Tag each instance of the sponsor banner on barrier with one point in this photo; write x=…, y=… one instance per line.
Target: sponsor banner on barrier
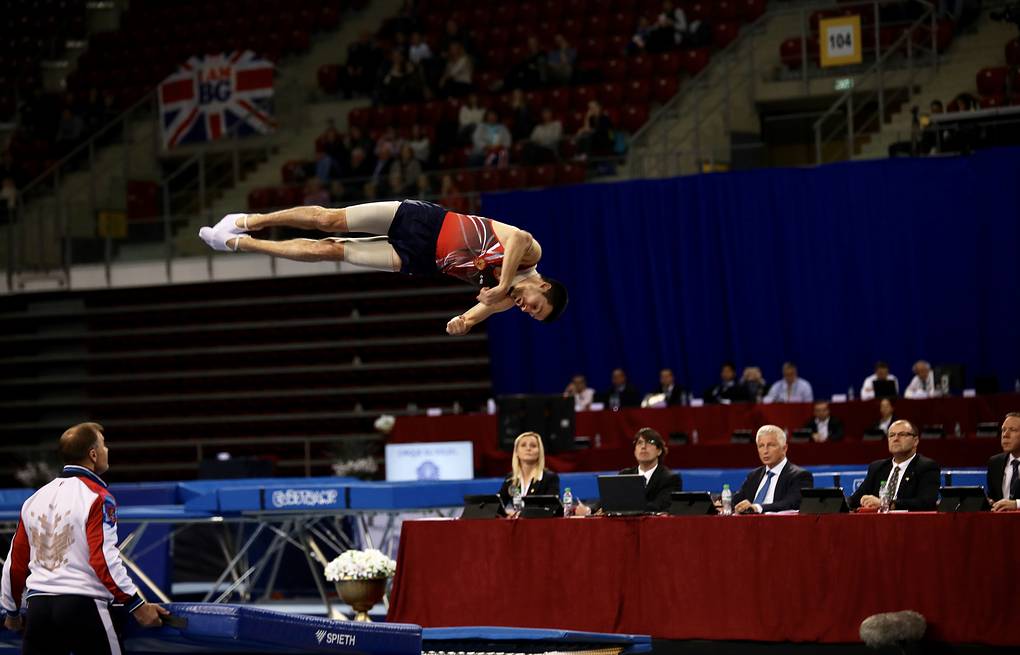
x=210, y=96
x=304, y=498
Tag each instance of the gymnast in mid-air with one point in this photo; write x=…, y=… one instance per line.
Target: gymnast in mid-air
x=414, y=238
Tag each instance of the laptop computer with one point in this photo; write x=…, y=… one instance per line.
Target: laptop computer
x=482, y=506
x=691, y=503
x=963, y=499
x=622, y=495
x=541, y=507
x=884, y=388
x=823, y=500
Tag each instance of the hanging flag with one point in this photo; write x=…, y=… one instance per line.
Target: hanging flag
x=208, y=96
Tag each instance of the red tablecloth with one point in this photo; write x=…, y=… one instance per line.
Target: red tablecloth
x=762, y=578
x=715, y=424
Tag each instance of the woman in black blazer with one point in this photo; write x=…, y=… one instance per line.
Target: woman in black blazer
x=529, y=473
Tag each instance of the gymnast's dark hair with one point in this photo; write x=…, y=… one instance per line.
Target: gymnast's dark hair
x=556, y=294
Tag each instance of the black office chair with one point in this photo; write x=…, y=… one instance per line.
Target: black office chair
x=933, y=432
x=985, y=385
x=742, y=436
x=678, y=439
x=873, y=434
x=801, y=435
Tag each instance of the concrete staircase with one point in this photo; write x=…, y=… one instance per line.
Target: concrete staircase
x=298, y=141
x=983, y=45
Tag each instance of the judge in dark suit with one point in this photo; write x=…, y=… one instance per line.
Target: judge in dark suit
x=1004, y=468
x=823, y=425
x=775, y=486
x=660, y=482
x=621, y=394
x=672, y=392
x=729, y=390
x=914, y=478
x=529, y=473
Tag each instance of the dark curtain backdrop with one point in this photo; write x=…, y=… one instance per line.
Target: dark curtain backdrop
x=832, y=267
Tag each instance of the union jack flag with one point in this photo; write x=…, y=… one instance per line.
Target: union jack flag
x=208, y=96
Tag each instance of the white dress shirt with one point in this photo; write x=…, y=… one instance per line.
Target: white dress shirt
x=899, y=478
x=822, y=428
x=884, y=424
x=922, y=388
x=868, y=388
x=1007, y=478
x=583, y=400
x=771, y=493
x=648, y=474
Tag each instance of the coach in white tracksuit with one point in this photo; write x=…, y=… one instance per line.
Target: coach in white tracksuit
x=64, y=563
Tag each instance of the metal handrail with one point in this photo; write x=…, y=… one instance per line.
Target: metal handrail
x=877, y=69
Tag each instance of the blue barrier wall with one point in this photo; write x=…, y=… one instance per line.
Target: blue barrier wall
x=833, y=267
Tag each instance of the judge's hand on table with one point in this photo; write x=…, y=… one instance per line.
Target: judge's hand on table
x=871, y=502
x=745, y=507
x=1004, y=505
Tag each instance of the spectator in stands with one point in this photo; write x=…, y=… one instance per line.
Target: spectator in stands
x=451, y=196
x=316, y=193
x=8, y=199
x=728, y=390
x=922, y=385
x=542, y=145
x=69, y=131
x=403, y=82
x=582, y=394
x=823, y=425
x=881, y=373
x=470, y=116
x=791, y=389
x=459, y=72
x=660, y=482
x=621, y=393
x=420, y=144
x=452, y=33
x=1004, y=468
x=913, y=478
x=533, y=71
x=774, y=486
x=673, y=393
x=528, y=475
x=364, y=58
x=886, y=415
x=520, y=116
x=418, y=50
x=325, y=168
x=754, y=383
x=965, y=102
x=595, y=136
x=661, y=34
x=491, y=142
x=560, y=62
x=686, y=34
x=405, y=174
x=639, y=41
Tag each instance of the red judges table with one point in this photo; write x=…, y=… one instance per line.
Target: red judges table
x=761, y=578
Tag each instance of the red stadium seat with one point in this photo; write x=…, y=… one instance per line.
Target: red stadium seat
x=542, y=176
x=582, y=95
x=753, y=9
x=289, y=196
x=360, y=116
x=992, y=81
x=616, y=44
x=991, y=102
x=596, y=25
x=263, y=198
x=667, y=63
x=498, y=36
x=292, y=171
x=612, y=93
x=431, y=112
x=639, y=92
x=490, y=179
x=724, y=33
x=615, y=69
x=727, y=10
x=572, y=121
x=504, y=13
x=572, y=28
x=383, y=117
x=664, y=88
x=558, y=99
x=591, y=48
x=515, y=177
x=571, y=174
x=634, y=116
x=1013, y=52
x=640, y=66
x=328, y=75
x=465, y=181
x=791, y=53
x=407, y=114
x=700, y=11
x=696, y=59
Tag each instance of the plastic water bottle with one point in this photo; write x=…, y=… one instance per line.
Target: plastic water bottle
x=694, y=437
x=727, y=500
x=518, y=499
x=956, y=430
x=568, y=502
x=883, y=497
x=850, y=393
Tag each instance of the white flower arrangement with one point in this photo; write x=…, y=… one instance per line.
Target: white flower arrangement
x=366, y=564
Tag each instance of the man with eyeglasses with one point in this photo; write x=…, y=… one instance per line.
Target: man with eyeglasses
x=913, y=478
x=660, y=482
x=1004, y=468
